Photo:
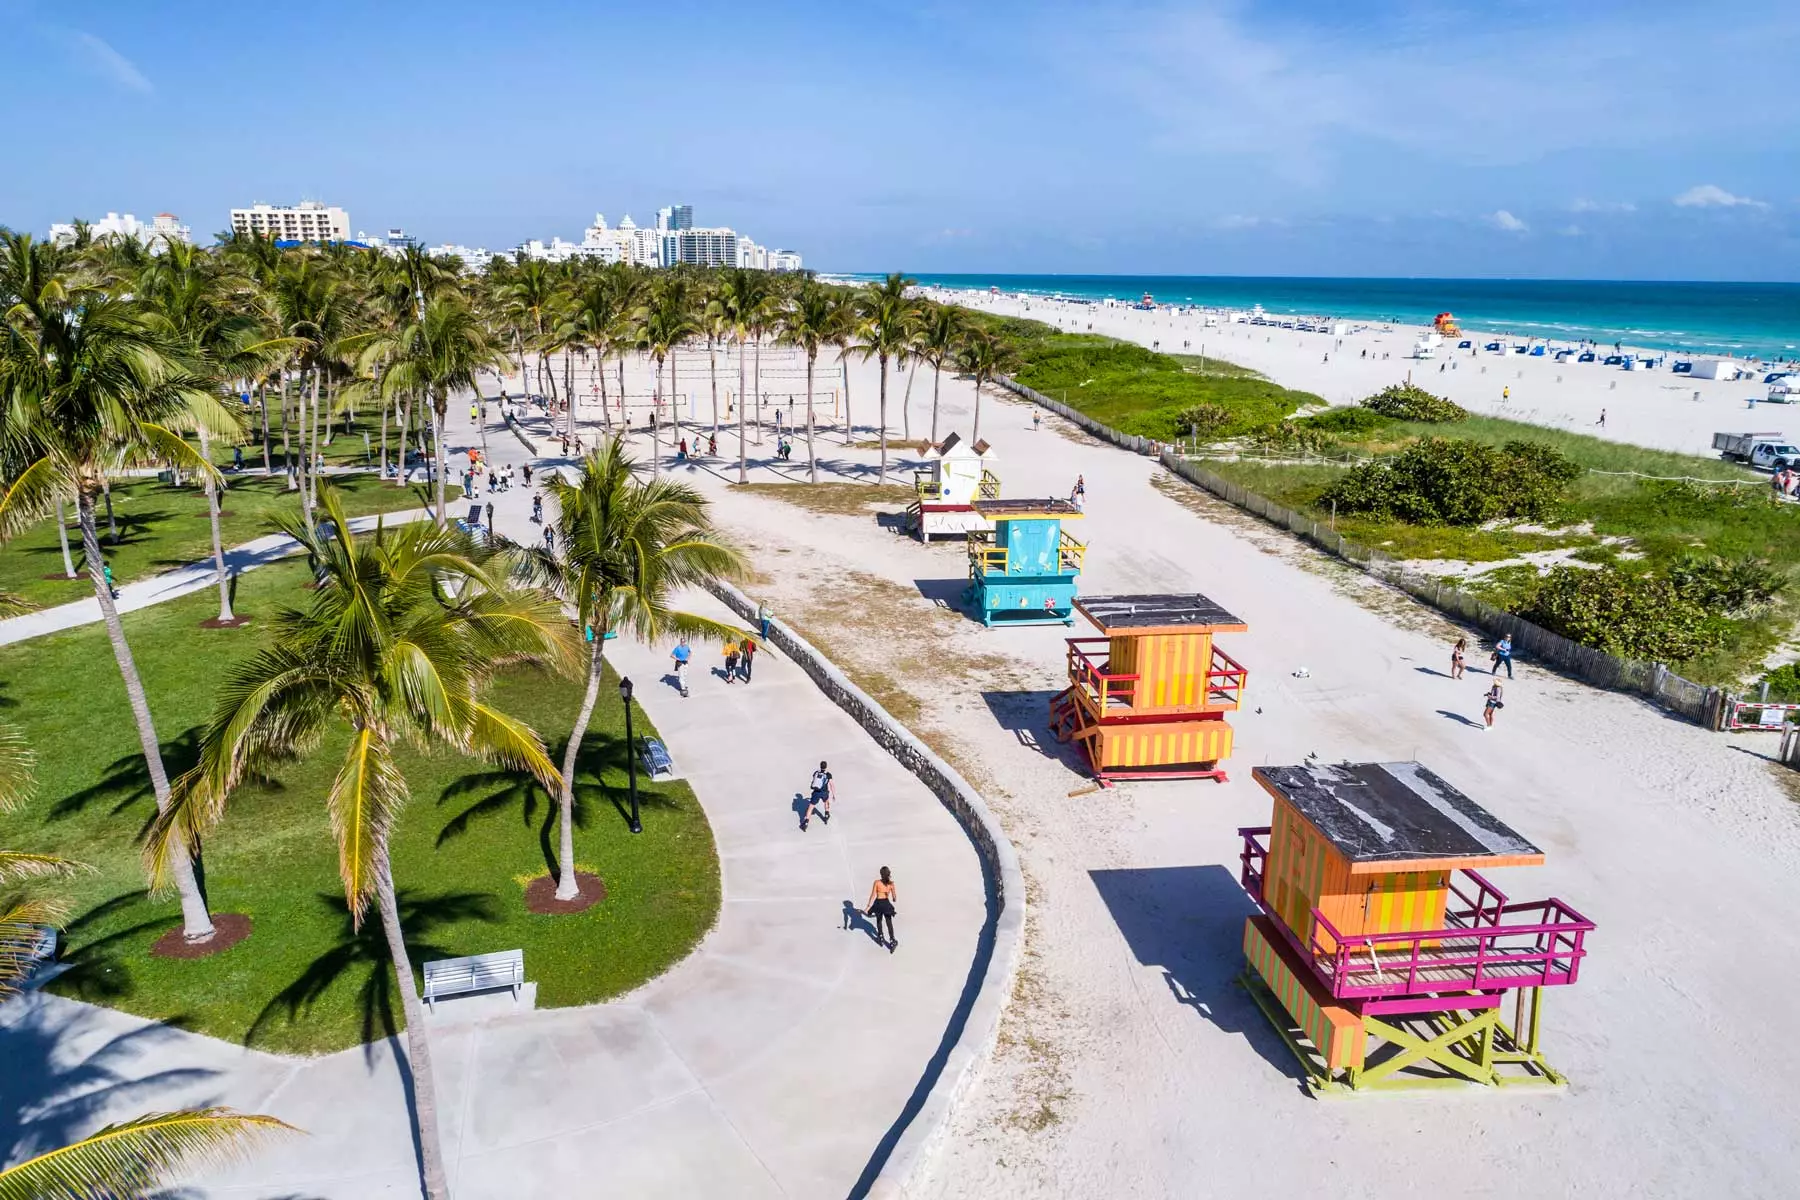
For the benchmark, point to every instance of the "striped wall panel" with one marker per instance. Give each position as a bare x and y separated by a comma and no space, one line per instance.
1336,1032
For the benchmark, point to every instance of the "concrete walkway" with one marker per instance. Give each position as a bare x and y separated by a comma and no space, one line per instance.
775,1061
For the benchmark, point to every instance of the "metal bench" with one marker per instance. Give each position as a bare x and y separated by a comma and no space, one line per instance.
476,973
656,758
42,951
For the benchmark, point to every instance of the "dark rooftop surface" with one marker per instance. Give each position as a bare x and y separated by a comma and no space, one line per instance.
1026,508
1380,812
1129,612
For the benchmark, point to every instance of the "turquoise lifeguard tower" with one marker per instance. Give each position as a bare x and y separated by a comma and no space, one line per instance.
1023,571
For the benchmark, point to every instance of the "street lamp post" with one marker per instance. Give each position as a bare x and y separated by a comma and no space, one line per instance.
630,753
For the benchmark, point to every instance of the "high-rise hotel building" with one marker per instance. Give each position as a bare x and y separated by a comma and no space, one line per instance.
308,221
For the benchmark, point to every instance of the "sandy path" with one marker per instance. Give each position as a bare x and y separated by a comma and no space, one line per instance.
1131,1064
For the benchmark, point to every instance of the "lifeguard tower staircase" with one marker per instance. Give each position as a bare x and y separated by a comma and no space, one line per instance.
1382,956
1147,700
1023,571
954,477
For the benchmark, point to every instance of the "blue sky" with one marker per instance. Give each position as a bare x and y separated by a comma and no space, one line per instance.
1603,140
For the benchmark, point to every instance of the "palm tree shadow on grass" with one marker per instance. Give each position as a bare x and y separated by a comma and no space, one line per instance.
602,758
97,967
361,956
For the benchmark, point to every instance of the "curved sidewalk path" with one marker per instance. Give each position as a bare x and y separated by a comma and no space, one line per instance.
772,1062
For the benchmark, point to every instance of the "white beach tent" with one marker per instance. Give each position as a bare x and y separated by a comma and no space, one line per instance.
1716,368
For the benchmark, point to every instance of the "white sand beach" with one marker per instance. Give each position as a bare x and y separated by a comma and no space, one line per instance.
1130,1062
1656,408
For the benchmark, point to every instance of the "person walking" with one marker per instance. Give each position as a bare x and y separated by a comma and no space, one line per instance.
749,653
1602,421
1491,703
731,659
113,591
1506,393
1457,653
550,539
537,510
881,908
679,656
1503,655
527,470
764,615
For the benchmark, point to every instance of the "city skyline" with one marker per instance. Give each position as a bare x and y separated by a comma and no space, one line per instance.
1213,138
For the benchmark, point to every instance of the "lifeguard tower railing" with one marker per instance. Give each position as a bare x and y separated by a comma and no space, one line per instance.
1111,690
985,558
928,488
1489,946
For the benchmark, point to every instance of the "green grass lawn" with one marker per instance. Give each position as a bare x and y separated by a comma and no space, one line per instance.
162,527
1659,527
1139,391
470,839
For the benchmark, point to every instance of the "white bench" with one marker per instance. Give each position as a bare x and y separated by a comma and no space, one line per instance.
476,973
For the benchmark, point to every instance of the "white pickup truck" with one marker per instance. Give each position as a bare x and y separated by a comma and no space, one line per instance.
1770,451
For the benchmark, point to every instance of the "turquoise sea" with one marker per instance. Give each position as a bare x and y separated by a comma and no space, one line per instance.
1745,319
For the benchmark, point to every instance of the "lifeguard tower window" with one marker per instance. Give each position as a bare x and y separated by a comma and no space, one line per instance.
1397,812
1154,611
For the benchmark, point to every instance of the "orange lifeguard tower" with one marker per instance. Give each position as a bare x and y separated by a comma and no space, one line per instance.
1383,957
1446,325
1147,700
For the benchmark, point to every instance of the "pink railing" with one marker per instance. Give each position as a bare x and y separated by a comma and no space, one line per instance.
1224,684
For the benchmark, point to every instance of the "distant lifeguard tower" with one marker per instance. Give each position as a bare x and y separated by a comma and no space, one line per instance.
1023,571
1147,700
1382,956
954,477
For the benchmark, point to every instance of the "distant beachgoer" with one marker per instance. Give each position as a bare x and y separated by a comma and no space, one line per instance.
1457,652
731,659
527,470
1490,703
537,510
1602,421
1503,655
549,539
712,445
681,451
106,570
764,615
881,907
1037,420
749,655
1506,393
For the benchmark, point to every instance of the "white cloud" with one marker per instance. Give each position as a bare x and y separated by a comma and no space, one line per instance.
1506,221
1570,231
103,60
1244,221
1711,195
1585,205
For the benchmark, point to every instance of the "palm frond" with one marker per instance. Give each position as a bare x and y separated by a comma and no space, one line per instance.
136,1158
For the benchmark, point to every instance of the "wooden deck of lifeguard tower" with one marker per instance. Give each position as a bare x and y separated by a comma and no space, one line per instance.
1152,703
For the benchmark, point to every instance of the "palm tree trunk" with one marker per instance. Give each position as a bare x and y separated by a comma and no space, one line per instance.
62,537
567,887
849,425
675,394
743,462
759,392
906,405
441,404
418,1043
287,451
937,379
196,925
812,457
882,359
605,412
262,401
384,424
975,434
656,424
112,524
712,368
212,515
624,413
405,431
313,463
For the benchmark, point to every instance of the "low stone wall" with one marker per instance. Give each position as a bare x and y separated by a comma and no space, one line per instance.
1653,681
970,1039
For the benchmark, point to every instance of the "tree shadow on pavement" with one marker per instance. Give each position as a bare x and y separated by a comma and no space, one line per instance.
1189,923
359,958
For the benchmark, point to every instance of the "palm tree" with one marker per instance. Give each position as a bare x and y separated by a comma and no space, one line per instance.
984,356
884,324
940,333
87,382
846,342
737,299
663,324
440,351
398,645
813,319
138,1159
624,548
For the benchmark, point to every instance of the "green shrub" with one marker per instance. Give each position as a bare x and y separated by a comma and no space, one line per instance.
1290,435
1410,402
1784,684
1680,498
1349,421
1623,613
1454,481
1204,420
1737,587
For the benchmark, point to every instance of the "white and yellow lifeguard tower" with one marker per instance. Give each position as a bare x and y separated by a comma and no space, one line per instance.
953,478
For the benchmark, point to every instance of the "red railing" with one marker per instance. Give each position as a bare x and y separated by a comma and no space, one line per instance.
1489,945
1224,680
1224,684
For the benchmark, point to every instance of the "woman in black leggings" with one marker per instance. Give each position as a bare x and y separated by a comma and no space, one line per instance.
881,907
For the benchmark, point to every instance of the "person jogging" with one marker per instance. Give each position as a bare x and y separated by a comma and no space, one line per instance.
1492,702
818,798
881,908
680,656
749,654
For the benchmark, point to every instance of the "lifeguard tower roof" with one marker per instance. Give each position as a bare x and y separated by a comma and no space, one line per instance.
953,442
1008,509
1163,612
1381,815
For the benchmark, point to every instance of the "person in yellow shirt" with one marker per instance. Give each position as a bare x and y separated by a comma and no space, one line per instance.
731,660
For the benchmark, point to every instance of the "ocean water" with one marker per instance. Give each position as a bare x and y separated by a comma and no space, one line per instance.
1744,319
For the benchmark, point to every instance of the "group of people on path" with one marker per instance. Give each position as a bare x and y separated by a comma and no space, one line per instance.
1502,656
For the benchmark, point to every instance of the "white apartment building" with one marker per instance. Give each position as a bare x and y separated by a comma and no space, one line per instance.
784,260
167,227
700,247
308,221
752,256
474,258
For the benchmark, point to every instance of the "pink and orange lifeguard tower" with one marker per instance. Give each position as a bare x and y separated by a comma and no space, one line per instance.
1383,955
1148,698
954,478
